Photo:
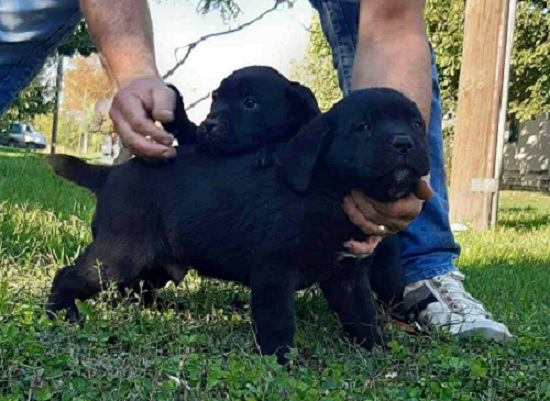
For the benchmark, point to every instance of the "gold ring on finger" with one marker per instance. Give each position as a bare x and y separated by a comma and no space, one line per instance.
380,231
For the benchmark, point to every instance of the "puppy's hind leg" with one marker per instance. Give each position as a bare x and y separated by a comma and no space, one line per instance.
156,278
353,302
273,312
80,281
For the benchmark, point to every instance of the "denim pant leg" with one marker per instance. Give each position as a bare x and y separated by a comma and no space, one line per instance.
427,245
30,30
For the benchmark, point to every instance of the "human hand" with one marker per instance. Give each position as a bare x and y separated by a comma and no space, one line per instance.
377,219
137,105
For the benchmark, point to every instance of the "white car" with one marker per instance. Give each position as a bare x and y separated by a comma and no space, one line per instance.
18,135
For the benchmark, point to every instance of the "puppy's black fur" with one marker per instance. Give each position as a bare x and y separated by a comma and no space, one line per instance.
254,107
281,108
183,129
234,223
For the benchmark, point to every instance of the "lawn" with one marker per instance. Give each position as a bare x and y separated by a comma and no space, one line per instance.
207,351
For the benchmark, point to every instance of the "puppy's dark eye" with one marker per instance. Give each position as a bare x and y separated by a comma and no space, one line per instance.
249,103
418,125
362,127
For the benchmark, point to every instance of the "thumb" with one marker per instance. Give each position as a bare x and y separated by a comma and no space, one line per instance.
164,104
423,190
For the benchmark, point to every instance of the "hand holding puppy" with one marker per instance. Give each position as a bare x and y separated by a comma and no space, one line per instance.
372,216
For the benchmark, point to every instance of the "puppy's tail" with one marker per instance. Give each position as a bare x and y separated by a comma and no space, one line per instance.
81,173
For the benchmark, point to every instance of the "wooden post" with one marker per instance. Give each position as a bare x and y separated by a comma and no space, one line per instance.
58,89
503,112
479,97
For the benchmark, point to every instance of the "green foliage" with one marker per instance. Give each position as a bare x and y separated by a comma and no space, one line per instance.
207,351
445,25
529,91
317,71
34,100
530,82
227,8
80,43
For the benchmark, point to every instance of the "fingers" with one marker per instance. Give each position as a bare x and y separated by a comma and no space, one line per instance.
164,104
423,190
405,209
362,248
134,111
129,109
368,214
357,217
139,145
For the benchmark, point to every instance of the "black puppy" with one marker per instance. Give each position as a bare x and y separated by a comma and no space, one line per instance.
249,226
255,107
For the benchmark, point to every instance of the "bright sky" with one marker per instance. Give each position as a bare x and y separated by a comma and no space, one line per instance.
276,40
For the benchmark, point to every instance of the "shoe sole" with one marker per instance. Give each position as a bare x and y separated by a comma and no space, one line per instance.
488,334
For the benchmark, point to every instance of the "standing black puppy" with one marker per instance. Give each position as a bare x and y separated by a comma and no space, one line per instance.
276,230
253,109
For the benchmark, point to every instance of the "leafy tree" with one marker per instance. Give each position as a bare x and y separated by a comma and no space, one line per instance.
316,71
530,83
80,43
84,83
35,99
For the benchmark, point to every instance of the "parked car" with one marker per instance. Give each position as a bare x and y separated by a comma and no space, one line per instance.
18,135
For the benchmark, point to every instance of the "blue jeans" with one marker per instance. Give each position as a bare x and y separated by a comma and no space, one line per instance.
427,245
30,30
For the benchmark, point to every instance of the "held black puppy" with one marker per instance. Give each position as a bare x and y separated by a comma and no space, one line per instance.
254,107
276,230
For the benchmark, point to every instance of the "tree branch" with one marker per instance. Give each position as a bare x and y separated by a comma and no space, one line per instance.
196,102
191,46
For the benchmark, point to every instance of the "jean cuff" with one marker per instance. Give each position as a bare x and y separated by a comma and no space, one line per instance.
428,273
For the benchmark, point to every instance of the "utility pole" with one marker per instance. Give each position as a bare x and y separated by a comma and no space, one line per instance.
58,89
503,112
480,95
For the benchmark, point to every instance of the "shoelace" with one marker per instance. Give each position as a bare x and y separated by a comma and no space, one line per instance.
459,299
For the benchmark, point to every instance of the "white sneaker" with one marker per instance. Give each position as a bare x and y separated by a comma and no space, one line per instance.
442,301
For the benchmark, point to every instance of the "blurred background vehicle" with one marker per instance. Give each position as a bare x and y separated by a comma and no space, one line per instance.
18,135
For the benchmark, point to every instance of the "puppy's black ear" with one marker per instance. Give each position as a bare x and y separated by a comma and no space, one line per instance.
302,105
299,156
183,129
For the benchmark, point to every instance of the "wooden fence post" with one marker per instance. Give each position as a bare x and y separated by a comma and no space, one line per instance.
479,98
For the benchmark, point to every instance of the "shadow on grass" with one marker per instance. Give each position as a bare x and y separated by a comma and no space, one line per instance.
524,218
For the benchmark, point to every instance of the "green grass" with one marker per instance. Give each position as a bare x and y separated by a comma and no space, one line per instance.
207,352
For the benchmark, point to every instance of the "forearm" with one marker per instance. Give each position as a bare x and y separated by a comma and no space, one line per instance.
123,32
393,50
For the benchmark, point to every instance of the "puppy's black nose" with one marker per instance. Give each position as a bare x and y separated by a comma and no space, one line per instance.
403,143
